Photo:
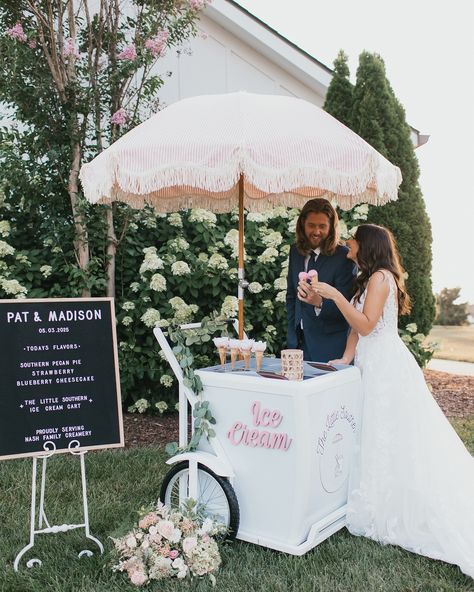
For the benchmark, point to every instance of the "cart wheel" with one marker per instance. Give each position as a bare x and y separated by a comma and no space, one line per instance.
215,493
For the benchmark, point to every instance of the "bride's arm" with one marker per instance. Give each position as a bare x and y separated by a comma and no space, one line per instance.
349,352
365,321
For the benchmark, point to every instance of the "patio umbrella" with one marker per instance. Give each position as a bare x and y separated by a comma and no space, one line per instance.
220,152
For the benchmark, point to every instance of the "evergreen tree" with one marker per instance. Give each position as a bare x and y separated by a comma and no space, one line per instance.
339,95
449,313
379,118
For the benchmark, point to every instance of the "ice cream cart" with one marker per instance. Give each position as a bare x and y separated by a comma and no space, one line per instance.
277,471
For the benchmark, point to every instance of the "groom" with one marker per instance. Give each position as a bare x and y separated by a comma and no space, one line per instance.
316,325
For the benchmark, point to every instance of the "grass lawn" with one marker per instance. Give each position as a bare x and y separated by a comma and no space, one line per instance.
120,482
455,343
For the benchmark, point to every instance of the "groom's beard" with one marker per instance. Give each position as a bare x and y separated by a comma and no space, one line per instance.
319,244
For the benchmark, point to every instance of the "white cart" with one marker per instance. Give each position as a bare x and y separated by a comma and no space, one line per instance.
277,471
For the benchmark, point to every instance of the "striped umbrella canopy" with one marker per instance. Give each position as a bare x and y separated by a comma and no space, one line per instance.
220,152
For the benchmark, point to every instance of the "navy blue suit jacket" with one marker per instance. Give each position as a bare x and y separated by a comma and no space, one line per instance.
325,334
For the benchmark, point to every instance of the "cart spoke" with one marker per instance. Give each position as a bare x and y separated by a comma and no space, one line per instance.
210,494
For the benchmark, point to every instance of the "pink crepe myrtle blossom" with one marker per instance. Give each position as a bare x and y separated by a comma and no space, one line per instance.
197,4
129,53
119,117
17,32
70,48
157,44
32,44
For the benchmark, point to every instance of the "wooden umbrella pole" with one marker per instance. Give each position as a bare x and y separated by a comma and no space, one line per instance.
241,257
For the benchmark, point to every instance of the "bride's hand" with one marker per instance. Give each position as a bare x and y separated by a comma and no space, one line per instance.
339,361
326,291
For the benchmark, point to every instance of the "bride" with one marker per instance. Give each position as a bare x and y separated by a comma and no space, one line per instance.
413,480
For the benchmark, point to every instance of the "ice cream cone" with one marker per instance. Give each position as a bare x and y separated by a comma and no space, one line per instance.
258,360
313,276
234,352
222,355
246,354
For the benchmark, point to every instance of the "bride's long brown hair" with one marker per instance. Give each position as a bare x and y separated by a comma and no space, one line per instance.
378,250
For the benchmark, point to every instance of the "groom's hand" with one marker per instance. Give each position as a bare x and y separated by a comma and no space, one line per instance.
308,295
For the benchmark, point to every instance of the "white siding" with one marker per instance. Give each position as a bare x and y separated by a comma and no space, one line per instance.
216,61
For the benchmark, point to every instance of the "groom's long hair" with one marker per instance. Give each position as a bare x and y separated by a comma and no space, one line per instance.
318,205
378,250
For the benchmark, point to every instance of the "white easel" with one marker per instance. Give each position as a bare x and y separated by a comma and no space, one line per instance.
50,448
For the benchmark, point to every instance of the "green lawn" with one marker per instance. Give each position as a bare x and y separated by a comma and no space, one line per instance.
455,343
121,481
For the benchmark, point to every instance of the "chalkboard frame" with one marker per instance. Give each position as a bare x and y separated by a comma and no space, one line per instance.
118,400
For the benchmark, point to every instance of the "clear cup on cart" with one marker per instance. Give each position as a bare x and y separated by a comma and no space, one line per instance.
292,363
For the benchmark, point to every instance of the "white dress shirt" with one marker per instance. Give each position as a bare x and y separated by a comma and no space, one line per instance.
316,252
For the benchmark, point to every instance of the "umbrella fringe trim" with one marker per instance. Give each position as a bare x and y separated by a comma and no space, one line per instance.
263,179
290,200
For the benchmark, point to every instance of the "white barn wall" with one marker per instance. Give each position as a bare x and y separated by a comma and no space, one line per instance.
216,61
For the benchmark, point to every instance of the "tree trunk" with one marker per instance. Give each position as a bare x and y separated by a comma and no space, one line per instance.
111,251
81,244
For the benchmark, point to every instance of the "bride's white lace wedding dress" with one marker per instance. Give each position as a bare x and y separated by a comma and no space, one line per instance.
413,480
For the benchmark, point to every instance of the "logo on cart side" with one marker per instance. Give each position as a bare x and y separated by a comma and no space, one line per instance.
255,437
335,447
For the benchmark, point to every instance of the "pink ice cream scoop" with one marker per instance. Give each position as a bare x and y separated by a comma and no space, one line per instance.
307,276
313,277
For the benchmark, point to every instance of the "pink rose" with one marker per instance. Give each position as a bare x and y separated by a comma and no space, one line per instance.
173,554
138,578
166,528
189,543
129,53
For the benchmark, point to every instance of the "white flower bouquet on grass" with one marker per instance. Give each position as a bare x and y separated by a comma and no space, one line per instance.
169,544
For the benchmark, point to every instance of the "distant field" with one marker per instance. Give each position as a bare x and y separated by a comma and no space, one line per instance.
455,343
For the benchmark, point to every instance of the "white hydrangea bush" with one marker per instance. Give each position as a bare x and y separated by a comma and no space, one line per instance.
170,269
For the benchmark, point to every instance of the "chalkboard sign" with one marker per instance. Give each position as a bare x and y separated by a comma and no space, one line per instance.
59,378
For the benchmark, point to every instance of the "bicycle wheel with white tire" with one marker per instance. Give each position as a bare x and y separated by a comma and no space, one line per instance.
215,494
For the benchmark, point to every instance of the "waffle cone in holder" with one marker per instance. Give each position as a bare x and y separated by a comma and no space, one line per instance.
246,355
234,352
222,354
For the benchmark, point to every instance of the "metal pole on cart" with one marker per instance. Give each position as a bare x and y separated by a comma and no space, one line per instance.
242,281
186,489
